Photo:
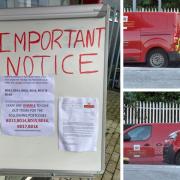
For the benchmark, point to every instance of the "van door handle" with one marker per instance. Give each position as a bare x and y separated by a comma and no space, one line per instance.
158,144
146,144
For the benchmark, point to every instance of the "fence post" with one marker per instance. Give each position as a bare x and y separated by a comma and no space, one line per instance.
130,115
173,113
163,112
137,112
176,112
147,112
150,109
127,114
152,112
156,112
159,5
170,112
134,5
166,119
143,111
160,115
139,105
134,113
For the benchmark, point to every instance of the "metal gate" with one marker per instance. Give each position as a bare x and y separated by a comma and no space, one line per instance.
114,50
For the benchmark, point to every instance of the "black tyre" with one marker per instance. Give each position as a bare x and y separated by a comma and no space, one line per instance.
177,159
157,58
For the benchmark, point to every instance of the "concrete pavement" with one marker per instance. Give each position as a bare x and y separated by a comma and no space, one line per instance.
151,172
144,77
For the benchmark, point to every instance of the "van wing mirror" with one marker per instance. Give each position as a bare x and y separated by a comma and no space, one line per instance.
127,137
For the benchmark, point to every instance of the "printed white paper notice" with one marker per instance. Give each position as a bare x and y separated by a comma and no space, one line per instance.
78,124
27,106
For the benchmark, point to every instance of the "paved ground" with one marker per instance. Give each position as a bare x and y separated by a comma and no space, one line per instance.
112,171
151,172
143,77
112,138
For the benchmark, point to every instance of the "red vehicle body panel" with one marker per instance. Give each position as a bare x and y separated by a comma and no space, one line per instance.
144,31
150,150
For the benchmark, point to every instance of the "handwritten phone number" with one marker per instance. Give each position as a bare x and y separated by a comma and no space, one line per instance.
29,126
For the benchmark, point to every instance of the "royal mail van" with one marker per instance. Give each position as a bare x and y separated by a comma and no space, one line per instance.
152,38
143,143
171,150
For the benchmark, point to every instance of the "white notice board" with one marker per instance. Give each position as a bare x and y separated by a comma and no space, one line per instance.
64,50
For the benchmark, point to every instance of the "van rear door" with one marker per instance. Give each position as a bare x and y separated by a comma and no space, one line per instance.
132,40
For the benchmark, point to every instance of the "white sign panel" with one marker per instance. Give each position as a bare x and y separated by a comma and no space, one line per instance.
27,106
69,44
78,124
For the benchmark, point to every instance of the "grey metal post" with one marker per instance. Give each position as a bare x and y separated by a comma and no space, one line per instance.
116,69
113,53
134,5
112,26
159,5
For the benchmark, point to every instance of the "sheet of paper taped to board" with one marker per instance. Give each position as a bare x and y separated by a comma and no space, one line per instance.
78,124
27,105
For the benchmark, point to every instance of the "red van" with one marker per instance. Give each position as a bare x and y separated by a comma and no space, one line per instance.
152,38
143,143
171,150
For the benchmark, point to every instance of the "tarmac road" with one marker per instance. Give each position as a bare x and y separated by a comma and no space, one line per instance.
151,172
144,77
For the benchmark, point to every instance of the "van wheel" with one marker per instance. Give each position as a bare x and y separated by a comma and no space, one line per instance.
177,159
157,58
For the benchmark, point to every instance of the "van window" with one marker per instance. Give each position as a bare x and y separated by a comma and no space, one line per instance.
140,133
